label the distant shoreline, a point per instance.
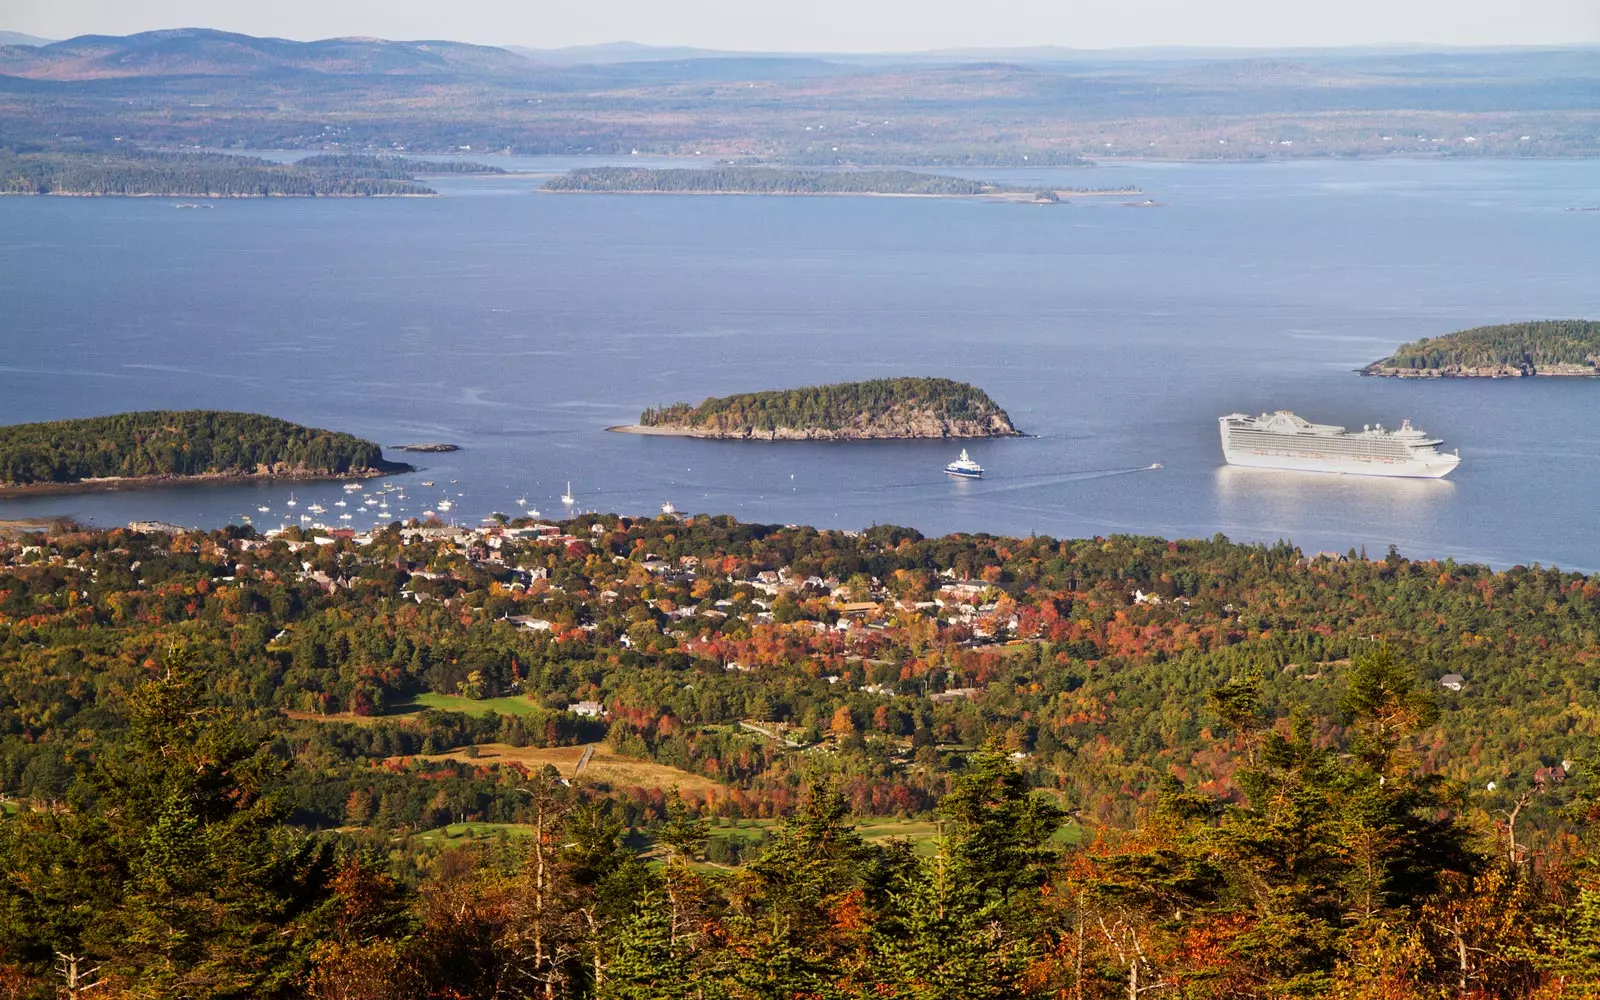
(790, 434)
(1014, 197)
(209, 197)
(112, 484)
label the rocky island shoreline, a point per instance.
(880, 409)
(1551, 348)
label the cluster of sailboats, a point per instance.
(391, 502)
(358, 499)
(376, 502)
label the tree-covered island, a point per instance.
(779, 181)
(135, 173)
(845, 411)
(162, 446)
(1542, 347)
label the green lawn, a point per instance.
(516, 705)
(876, 829)
(920, 832)
(474, 831)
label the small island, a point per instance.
(846, 411)
(776, 181)
(1566, 348)
(134, 173)
(163, 447)
(438, 447)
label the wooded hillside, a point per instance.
(895, 407)
(1529, 348)
(175, 443)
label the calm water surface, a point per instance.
(520, 325)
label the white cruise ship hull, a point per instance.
(1285, 441)
(1399, 468)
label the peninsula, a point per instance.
(776, 181)
(1568, 347)
(135, 173)
(176, 446)
(846, 411)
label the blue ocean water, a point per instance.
(520, 325)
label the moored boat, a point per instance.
(964, 467)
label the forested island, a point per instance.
(780, 181)
(1510, 350)
(164, 446)
(132, 173)
(660, 758)
(845, 411)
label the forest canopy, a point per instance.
(1528, 348)
(235, 765)
(892, 407)
(177, 443)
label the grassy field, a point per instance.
(922, 833)
(516, 705)
(605, 766)
(474, 831)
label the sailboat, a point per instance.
(292, 501)
(567, 497)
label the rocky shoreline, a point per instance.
(1494, 371)
(814, 433)
(115, 483)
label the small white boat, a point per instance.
(444, 505)
(533, 512)
(340, 503)
(427, 482)
(567, 497)
(264, 509)
(316, 508)
(667, 508)
(352, 487)
(346, 517)
(522, 501)
(370, 502)
(964, 467)
(292, 502)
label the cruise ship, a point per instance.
(1282, 440)
(964, 467)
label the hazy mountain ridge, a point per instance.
(202, 51)
(19, 38)
(982, 108)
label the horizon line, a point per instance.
(961, 50)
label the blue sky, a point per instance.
(846, 25)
